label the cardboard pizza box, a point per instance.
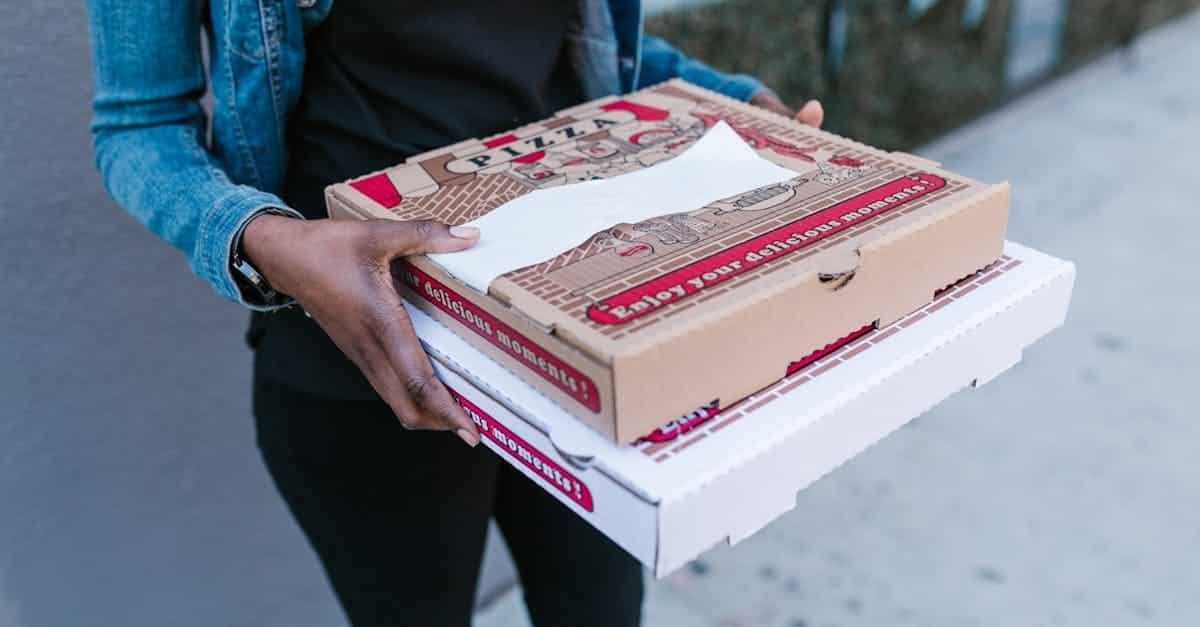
(722, 473)
(650, 320)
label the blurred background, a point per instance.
(1064, 493)
(898, 73)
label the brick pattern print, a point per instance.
(456, 204)
(664, 451)
(545, 280)
(829, 170)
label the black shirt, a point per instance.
(385, 80)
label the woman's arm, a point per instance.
(661, 61)
(147, 133)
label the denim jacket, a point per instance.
(195, 179)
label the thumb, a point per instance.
(415, 237)
(812, 114)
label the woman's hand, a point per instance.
(812, 113)
(340, 272)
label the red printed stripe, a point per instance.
(797, 366)
(524, 453)
(496, 142)
(500, 141)
(776, 244)
(640, 111)
(680, 426)
(378, 187)
(565, 377)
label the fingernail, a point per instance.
(466, 436)
(465, 232)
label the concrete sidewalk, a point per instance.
(1064, 493)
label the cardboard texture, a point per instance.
(653, 319)
(720, 475)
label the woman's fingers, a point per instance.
(812, 114)
(423, 399)
(399, 368)
(410, 399)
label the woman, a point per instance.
(348, 410)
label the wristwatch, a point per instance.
(253, 284)
(248, 277)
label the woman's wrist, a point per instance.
(266, 242)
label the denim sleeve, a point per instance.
(148, 129)
(661, 61)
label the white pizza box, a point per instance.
(720, 478)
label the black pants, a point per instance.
(399, 518)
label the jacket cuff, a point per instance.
(740, 86)
(220, 233)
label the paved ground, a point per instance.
(1065, 493)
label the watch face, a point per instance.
(253, 279)
(247, 271)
